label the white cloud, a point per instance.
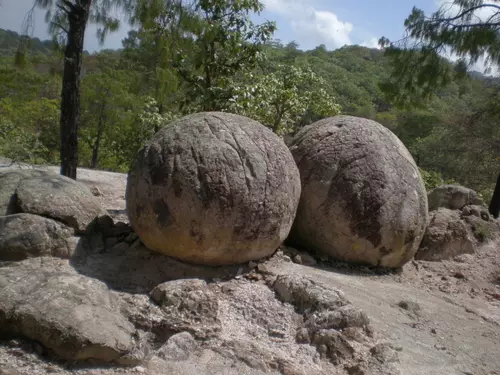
(312, 26)
(371, 43)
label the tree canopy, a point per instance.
(183, 57)
(468, 30)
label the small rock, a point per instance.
(131, 237)
(433, 330)
(254, 276)
(302, 336)
(178, 347)
(262, 268)
(409, 306)
(444, 289)
(139, 369)
(51, 369)
(297, 259)
(459, 275)
(308, 260)
(95, 191)
(464, 258)
(252, 264)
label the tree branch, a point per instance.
(460, 15)
(59, 26)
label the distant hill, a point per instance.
(10, 40)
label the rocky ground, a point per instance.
(290, 314)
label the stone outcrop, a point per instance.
(453, 232)
(447, 235)
(453, 197)
(26, 235)
(72, 316)
(50, 195)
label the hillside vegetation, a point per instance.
(129, 94)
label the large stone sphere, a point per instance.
(213, 188)
(363, 199)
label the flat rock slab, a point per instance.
(25, 235)
(76, 317)
(48, 194)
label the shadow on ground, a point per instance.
(136, 269)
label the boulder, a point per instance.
(453, 197)
(213, 188)
(447, 236)
(363, 199)
(75, 317)
(26, 235)
(50, 195)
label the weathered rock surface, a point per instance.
(190, 306)
(447, 235)
(179, 347)
(75, 317)
(452, 232)
(9, 182)
(453, 197)
(363, 199)
(48, 194)
(484, 226)
(213, 188)
(25, 235)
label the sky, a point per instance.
(334, 23)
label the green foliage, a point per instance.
(484, 231)
(225, 43)
(185, 57)
(133, 134)
(29, 133)
(463, 141)
(457, 29)
(433, 179)
(102, 13)
(280, 100)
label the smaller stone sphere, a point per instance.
(363, 199)
(213, 188)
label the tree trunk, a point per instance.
(70, 94)
(97, 143)
(495, 200)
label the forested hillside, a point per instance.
(129, 94)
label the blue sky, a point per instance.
(308, 22)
